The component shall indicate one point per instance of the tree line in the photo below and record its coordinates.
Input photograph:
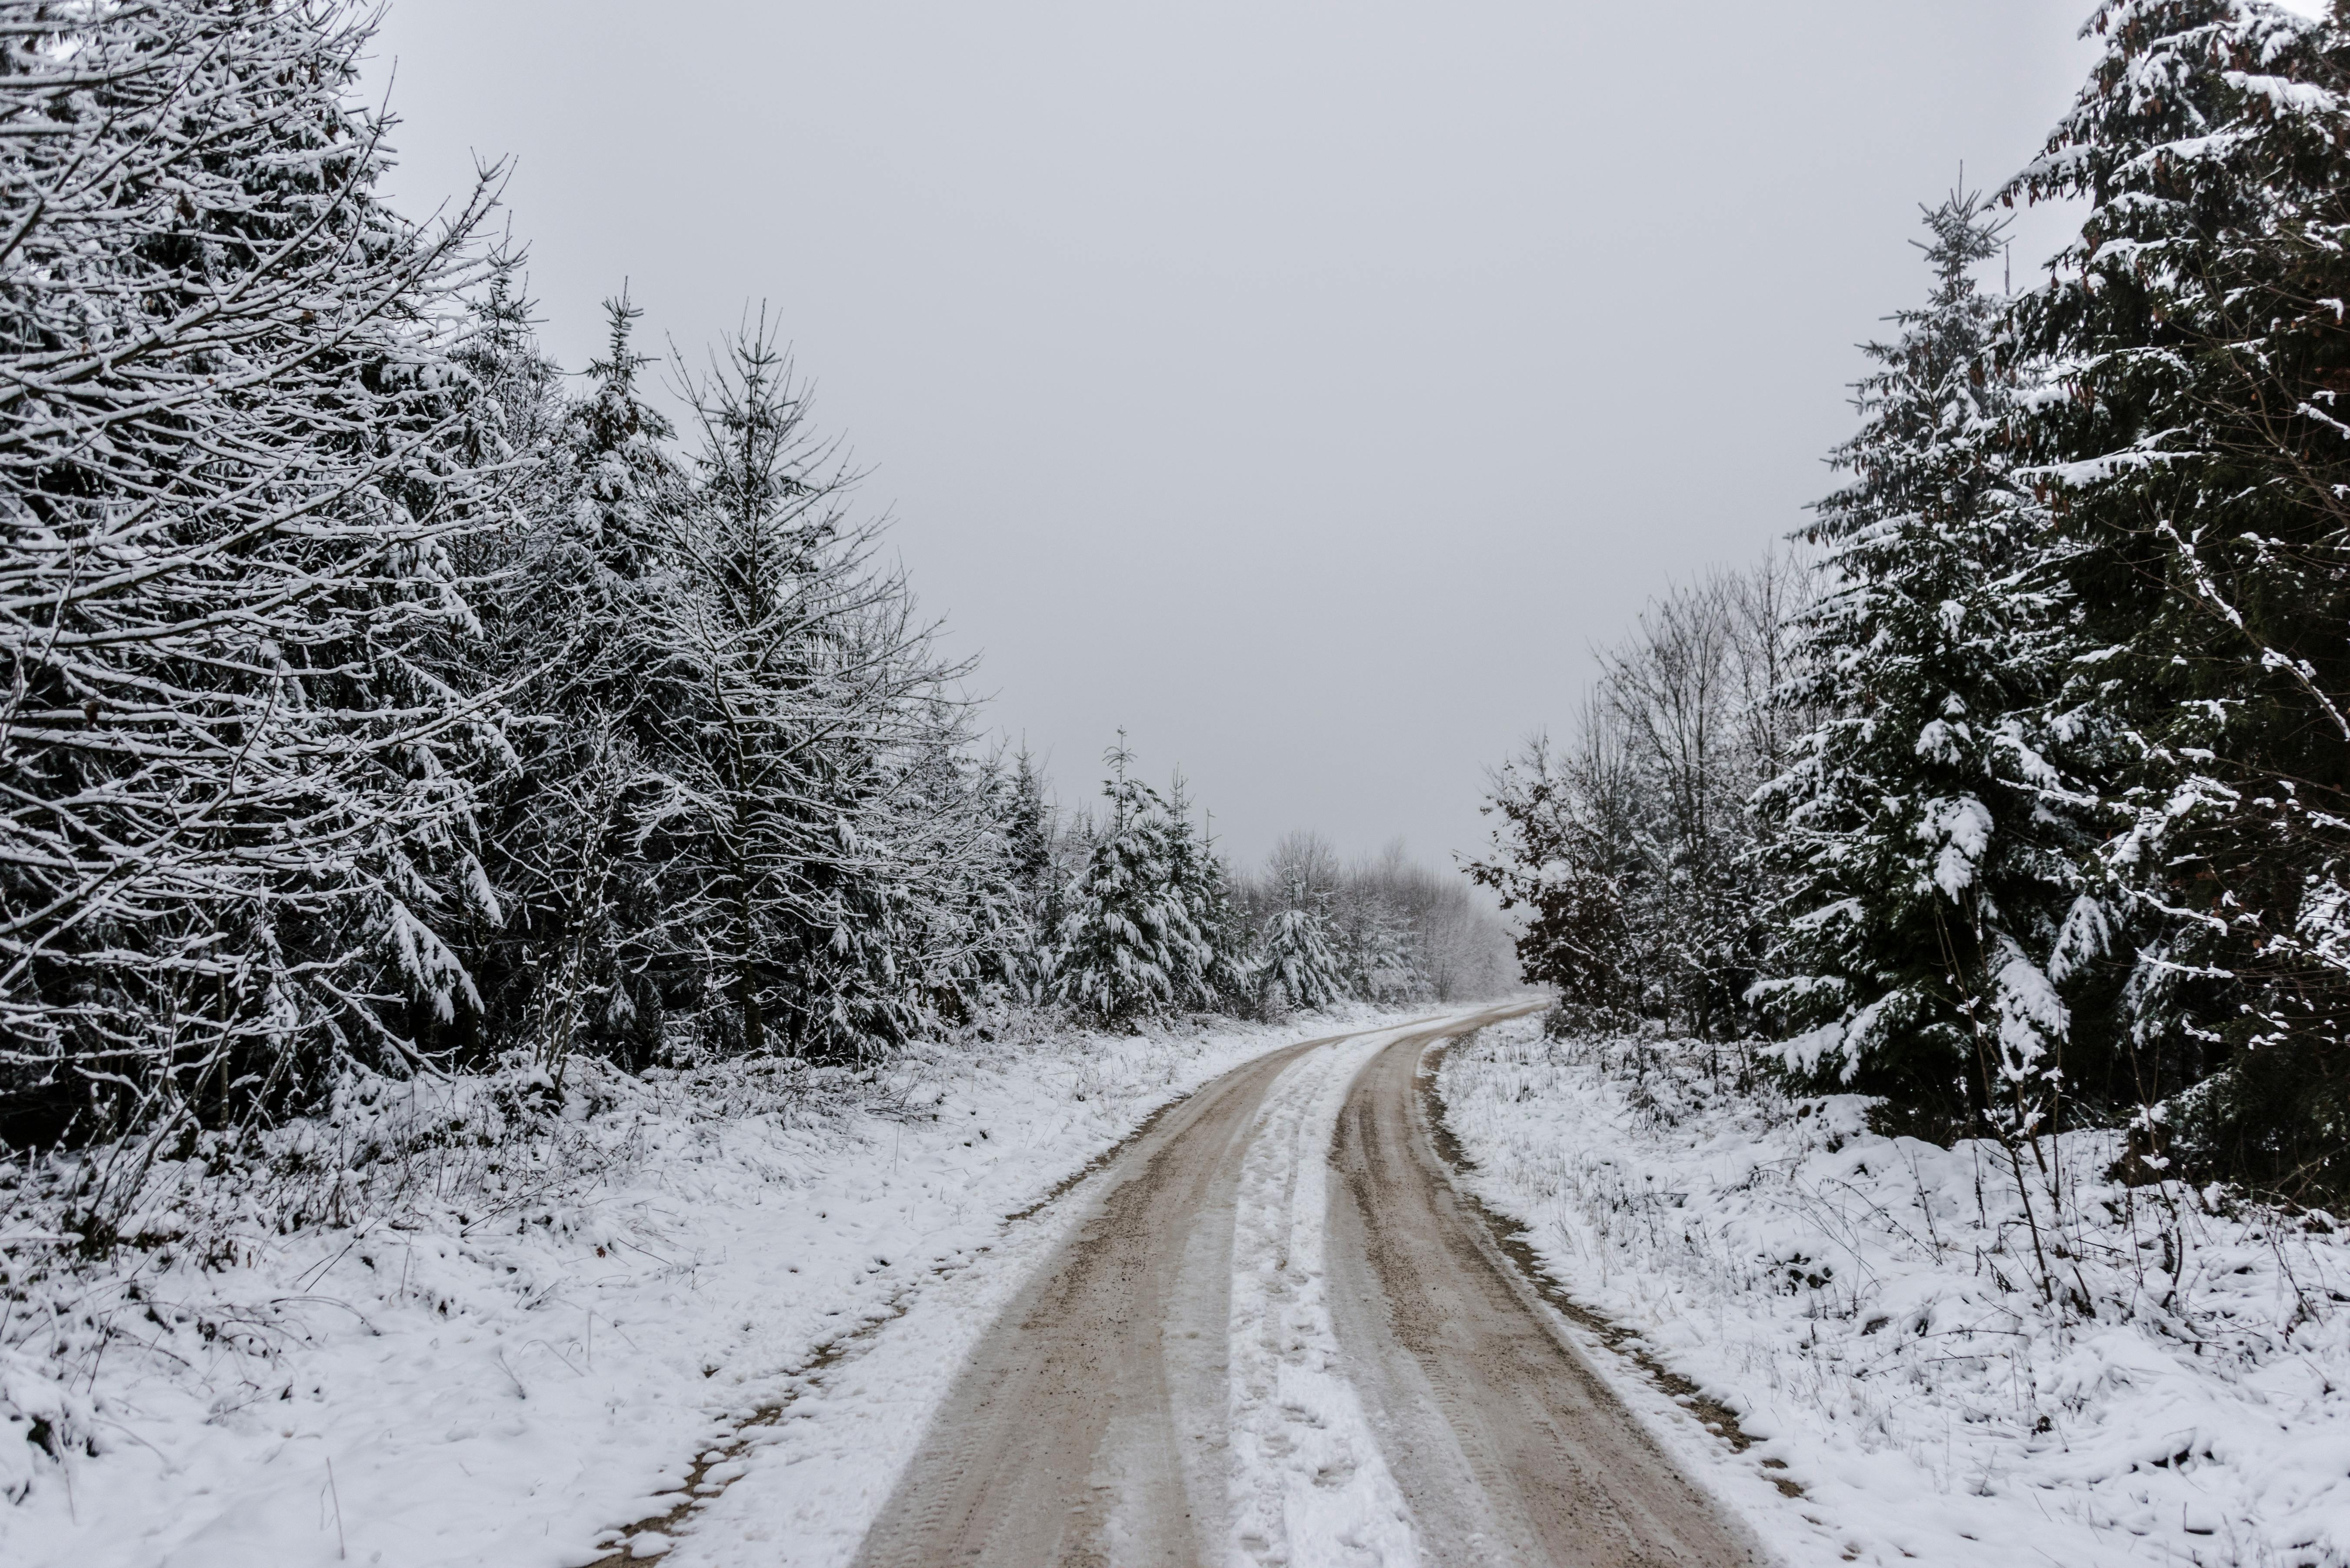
(2022, 804)
(1131, 912)
(381, 698)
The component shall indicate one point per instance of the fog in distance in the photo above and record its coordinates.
(1303, 387)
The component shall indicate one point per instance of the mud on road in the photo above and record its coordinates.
(1280, 1336)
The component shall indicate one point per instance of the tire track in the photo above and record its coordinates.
(1279, 1336)
(1510, 1448)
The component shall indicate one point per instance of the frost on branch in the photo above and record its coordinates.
(234, 760)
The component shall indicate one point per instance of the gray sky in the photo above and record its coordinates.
(1304, 387)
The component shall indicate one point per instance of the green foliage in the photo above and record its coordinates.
(1933, 916)
(2193, 451)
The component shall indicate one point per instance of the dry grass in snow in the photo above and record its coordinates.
(2164, 1377)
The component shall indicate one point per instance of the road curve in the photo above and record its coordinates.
(1103, 1422)
(1508, 1447)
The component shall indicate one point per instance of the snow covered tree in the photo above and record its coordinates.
(1297, 963)
(1398, 931)
(2196, 456)
(1374, 939)
(1676, 702)
(1562, 854)
(831, 870)
(1631, 847)
(1200, 878)
(1035, 844)
(1935, 909)
(236, 772)
(1130, 946)
(1451, 945)
(567, 583)
(619, 455)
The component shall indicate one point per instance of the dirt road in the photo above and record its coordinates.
(1281, 1337)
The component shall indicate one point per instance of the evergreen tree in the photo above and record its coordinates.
(617, 450)
(1935, 910)
(829, 871)
(570, 585)
(232, 482)
(1130, 946)
(1298, 964)
(1375, 945)
(2196, 456)
(1218, 977)
(1031, 838)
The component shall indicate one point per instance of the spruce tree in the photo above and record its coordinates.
(2195, 454)
(1376, 956)
(1218, 976)
(1130, 946)
(234, 491)
(1298, 965)
(1031, 840)
(572, 581)
(1934, 911)
(829, 869)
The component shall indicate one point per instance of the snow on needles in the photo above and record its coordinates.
(1871, 1308)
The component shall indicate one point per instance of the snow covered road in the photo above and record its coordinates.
(1223, 1360)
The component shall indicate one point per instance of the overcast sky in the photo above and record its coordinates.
(1304, 387)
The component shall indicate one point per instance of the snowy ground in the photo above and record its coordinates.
(479, 1344)
(1308, 1485)
(1869, 1308)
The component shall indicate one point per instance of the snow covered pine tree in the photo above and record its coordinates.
(566, 586)
(1033, 840)
(1297, 964)
(833, 874)
(1130, 946)
(1205, 887)
(2197, 460)
(235, 790)
(1935, 910)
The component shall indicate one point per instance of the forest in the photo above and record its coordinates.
(544, 1020)
(2013, 794)
(384, 699)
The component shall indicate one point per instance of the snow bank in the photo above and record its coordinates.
(1872, 1310)
(479, 1323)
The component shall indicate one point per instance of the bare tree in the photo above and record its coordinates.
(1631, 848)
